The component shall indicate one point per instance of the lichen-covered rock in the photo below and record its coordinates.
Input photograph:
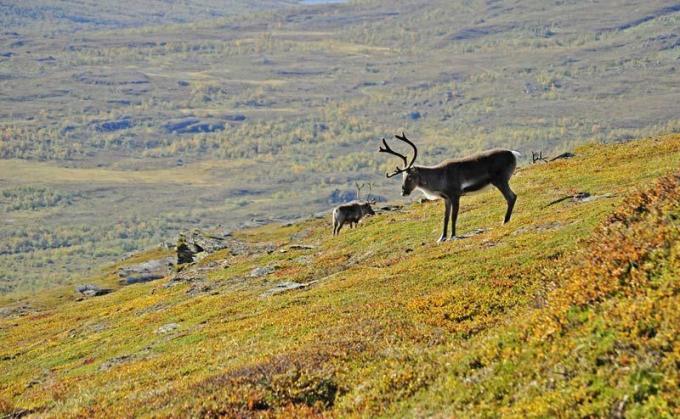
(193, 245)
(283, 287)
(262, 271)
(145, 271)
(167, 328)
(90, 290)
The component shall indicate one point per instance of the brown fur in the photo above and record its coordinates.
(350, 213)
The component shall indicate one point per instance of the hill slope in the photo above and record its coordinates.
(269, 112)
(571, 308)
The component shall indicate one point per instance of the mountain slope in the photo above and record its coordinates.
(571, 308)
(282, 108)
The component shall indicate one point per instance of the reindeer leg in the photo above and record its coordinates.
(447, 213)
(455, 204)
(509, 196)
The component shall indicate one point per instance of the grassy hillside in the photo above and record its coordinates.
(570, 309)
(278, 105)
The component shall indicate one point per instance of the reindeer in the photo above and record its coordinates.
(451, 179)
(352, 212)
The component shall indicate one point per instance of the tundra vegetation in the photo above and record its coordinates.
(122, 124)
(570, 310)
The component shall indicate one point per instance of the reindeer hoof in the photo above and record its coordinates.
(442, 239)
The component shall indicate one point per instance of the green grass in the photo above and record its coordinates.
(520, 320)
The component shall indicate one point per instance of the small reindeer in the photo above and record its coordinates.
(351, 213)
(451, 179)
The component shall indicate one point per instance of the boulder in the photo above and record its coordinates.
(167, 328)
(193, 125)
(118, 124)
(195, 244)
(262, 271)
(284, 287)
(145, 271)
(90, 290)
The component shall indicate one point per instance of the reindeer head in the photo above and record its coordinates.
(411, 176)
(367, 209)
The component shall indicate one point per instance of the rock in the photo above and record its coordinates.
(566, 155)
(146, 271)
(17, 310)
(301, 246)
(184, 253)
(414, 116)
(473, 233)
(115, 361)
(196, 244)
(192, 125)
(582, 197)
(262, 271)
(586, 197)
(198, 288)
(304, 260)
(284, 287)
(167, 328)
(112, 78)
(90, 290)
(110, 126)
(207, 242)
(388, 208)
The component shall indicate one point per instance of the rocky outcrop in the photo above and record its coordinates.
(286, 286)
(194, 245)
(115, 125)
(192, 125)
(90, 290)
(146, 271)
(262, 271)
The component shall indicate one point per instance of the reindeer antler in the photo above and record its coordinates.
(407, 141)
(386, 149)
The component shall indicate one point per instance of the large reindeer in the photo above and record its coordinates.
(451, 179)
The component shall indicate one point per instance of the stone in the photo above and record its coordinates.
(16, 310)
(115, 361)
(167, 328)
(90, 290)
(184, 253)
(301, 247)
(284, 287)
(192, 125)
(262, 271)
(118, 124)
(145, 271)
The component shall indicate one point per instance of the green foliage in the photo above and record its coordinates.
(30, 198)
